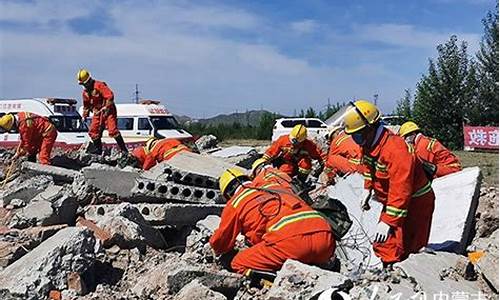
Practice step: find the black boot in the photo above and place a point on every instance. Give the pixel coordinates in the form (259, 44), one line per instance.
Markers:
(32, 157)
(121, 143)
(97, 147)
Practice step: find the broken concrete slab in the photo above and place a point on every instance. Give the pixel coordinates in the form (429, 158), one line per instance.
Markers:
(24, 188)
(160, 191)
(161, 214)
(238, 155)
(456, 202)
(297, 280)
(427, 270)
(60, 175)
(199, 164)
(47, 266)
(129, 229)
(110, 180)
(197, 291)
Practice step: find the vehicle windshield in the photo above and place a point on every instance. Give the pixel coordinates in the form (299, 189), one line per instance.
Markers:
(69, 124)
(160, 123)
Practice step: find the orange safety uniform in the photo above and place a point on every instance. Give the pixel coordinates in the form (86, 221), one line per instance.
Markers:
(158, 151)
(400, 184)
(344, 156)
(431, 150)
(270, 174)
(100, 98)
(277, 224)
(38, 135)
(295, 159)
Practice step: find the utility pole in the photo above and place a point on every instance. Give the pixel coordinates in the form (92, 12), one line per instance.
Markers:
(375, 99)
(328, 107)
(136, 93)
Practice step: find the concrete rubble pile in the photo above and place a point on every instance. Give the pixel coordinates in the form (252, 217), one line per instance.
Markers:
(85, 229)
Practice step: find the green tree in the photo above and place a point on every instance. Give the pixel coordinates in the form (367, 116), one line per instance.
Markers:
(404, 107)
(265, 129)
(310, 113)
(487, 73)
(442, 94)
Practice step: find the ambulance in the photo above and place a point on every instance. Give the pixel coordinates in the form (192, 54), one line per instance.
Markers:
(139, 121)
(72, 131)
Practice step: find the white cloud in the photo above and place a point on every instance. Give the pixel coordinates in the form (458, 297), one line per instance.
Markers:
(304, 26)
(410, 36)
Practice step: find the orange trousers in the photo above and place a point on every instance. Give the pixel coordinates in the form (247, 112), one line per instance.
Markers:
(304, 166)
(413, 235)
(311, 248)
(101, 122)
(44, 147)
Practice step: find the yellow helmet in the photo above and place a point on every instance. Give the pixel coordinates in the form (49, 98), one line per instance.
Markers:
(7, 121)
(150, 143)
(361, 114)
(408, 128)
(298, 134)
(259, 162)
(227, 178)
(83, 76)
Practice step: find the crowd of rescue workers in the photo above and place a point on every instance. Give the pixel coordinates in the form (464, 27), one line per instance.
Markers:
(398, 170)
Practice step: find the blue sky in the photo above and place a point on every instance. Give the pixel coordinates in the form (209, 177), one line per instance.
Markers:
(202, 58)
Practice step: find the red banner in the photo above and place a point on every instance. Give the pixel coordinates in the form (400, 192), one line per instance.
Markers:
(480, 137)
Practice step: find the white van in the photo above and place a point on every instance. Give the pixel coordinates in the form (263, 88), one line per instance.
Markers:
(315, 127)
(72, 131)
(138, 122)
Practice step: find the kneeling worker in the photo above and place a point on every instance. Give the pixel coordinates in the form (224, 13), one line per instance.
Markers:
(157, 150)
(438, 161)
(38, 135)
(277, 224)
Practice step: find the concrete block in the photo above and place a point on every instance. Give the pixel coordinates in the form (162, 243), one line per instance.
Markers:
(58, 174)
(110, 180)
(128, 229)
(296, 280)
(161, 214)
(159, 191)
(206, 142)
(197, 291)
(47, 266)
(164, 172)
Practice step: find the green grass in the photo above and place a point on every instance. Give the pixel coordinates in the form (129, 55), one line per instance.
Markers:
(488, 162)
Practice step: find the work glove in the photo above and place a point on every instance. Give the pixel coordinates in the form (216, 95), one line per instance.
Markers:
(429, 169)
(105, 111)
(325, 179)
(382, 233)
(85, 113)
(365, 199)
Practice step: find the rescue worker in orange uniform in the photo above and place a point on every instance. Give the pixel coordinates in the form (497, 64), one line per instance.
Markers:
(293, 153)
(262, 171)
(276, 223)
(157, 150)
(37, 133)
(438, 161)
(98, 98)
(344, 155)
(398, 180)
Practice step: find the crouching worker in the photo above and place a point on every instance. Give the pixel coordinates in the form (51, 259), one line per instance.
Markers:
(157, 150)
(37, 133)
(277, 224)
